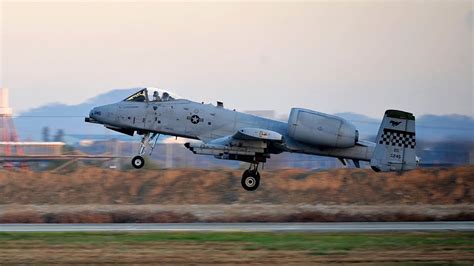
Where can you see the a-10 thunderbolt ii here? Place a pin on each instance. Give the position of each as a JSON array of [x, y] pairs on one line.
[[232, 135]]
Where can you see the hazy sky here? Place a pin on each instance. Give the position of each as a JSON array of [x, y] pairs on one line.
[[359, 56]]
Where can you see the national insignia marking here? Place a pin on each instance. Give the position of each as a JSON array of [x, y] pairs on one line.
[[195, 119]]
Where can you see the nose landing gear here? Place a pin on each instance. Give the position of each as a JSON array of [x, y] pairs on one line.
[[251, 178], [138, 161]]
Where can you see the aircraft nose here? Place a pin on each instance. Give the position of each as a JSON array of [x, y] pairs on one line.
[[98, 114], [106, 114]]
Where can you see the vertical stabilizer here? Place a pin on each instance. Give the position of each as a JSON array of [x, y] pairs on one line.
[[395, 145]]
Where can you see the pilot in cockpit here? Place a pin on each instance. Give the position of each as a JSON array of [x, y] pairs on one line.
[[156, 97], [166, 96]]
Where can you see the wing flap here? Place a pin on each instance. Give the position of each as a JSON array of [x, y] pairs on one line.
[[247, 144]]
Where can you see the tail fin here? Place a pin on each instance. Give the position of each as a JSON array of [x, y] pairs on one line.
[[395, 145]]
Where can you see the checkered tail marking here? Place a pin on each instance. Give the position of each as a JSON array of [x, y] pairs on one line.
[[398, 138]]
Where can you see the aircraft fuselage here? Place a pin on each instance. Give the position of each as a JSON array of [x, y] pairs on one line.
[[206, 122], [231, 135]]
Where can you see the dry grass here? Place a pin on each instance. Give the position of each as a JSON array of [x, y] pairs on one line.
[[282, 196], [229, 214], [193, 186], [97, 217]]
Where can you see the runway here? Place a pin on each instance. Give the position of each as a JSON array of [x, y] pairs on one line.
[[244, 227]]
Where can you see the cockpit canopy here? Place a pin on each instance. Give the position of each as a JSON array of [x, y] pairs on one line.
[[152, 95]]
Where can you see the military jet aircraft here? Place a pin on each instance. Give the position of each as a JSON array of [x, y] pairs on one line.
[[232, 135]]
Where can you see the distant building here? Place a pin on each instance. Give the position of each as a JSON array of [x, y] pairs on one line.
[[9, 140], [31, 148]]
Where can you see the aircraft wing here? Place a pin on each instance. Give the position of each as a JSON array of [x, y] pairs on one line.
[[257, 134], [246, 144], [249, 134]]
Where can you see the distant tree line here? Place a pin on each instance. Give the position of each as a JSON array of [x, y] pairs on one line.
[[58, 137]]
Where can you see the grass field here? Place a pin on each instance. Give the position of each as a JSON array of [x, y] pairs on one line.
[[238, 248]]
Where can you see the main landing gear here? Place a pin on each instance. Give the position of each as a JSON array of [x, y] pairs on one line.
[[147, 142], [251, 178]]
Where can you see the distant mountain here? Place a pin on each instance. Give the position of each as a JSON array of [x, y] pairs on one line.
[[70, 118], [456, 128], [428, 127]]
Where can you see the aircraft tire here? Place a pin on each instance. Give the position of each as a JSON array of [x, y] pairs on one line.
[[250, 180], [138, 162]]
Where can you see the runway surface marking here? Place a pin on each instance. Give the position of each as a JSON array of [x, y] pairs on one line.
[[244, 227]]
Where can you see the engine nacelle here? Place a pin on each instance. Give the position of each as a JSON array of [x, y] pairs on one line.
[[320, 129]]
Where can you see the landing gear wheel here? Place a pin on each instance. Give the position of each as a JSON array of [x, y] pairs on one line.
[[138, 162], [250, 180]]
